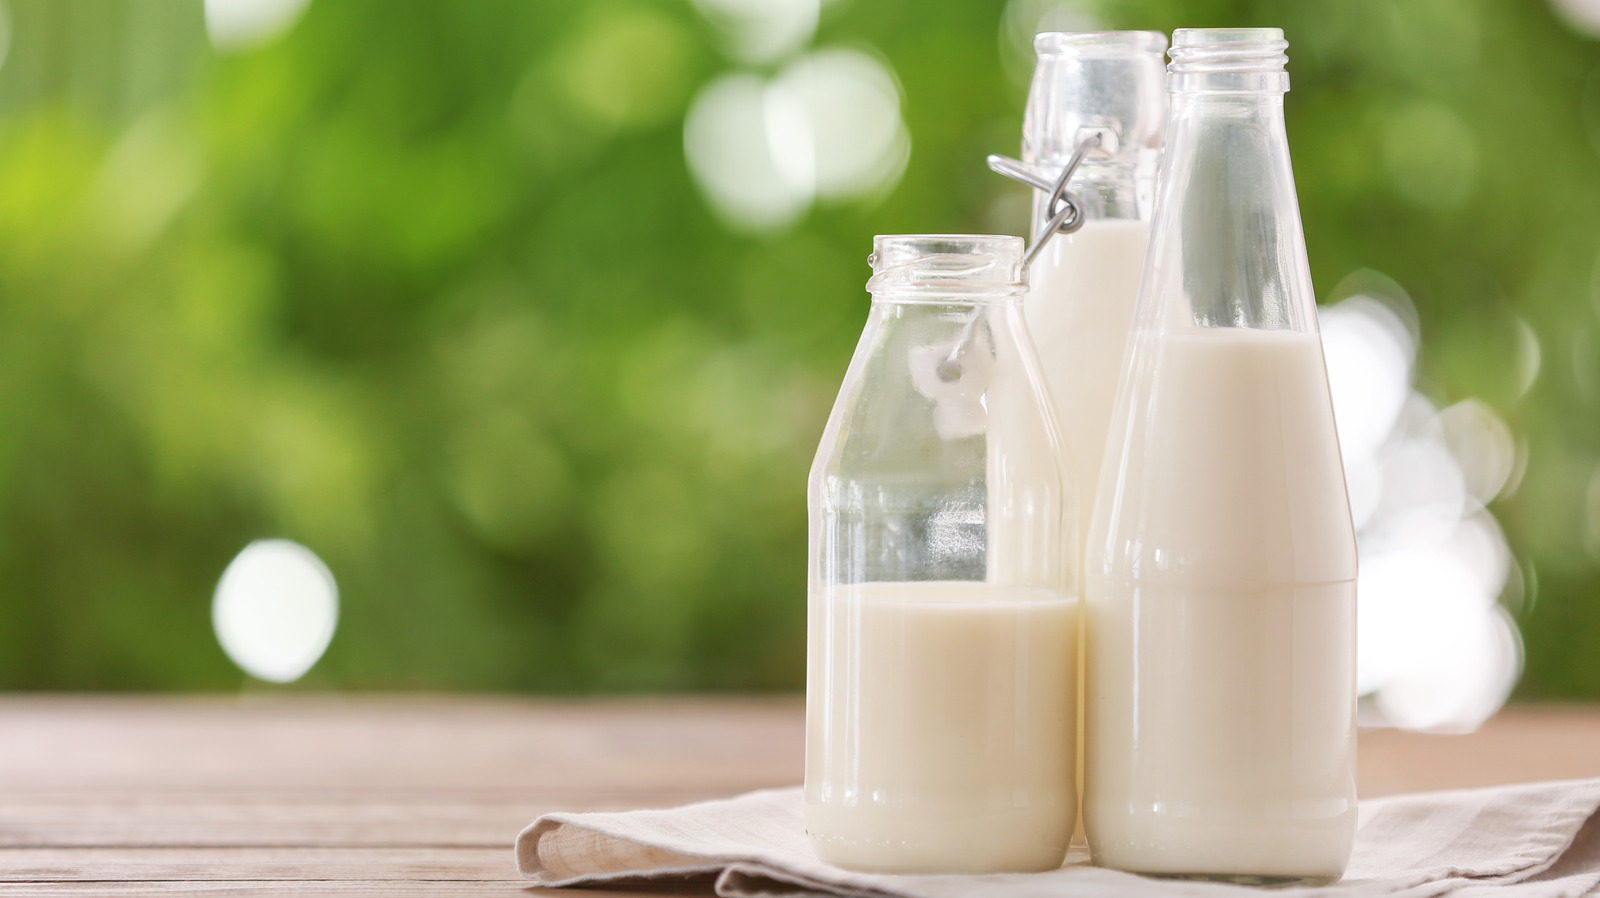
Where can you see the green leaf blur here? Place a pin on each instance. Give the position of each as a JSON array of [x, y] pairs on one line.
[[427, 286]]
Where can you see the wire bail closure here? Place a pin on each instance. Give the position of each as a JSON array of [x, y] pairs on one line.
[[1069, 217]]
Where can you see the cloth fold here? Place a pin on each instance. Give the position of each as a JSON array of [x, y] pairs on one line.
[[1536, 840]]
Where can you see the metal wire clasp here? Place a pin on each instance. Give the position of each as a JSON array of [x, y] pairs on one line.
[[1069, 217]]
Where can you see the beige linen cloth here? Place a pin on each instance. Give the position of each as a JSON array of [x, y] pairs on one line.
[[1539, 840]]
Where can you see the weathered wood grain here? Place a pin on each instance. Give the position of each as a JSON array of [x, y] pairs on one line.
[[425, 745], [153, 819], [422, 796], [281, 887], [244, 864], [1521, 744]]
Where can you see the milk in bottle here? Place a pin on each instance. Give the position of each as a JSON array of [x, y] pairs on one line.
[[933, 685], [1221, 563], [1082, 287], [940, 680]]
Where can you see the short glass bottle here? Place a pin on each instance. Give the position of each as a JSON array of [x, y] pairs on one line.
[[940, 689], [1220, 575]]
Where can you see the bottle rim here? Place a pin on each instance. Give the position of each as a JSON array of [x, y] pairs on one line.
[[967, 265], [1211, 51], [1098, 44]]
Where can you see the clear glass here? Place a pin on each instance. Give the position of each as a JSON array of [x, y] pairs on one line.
[[940, 689], [1106, 83], [1083, 286], [1221, 562]]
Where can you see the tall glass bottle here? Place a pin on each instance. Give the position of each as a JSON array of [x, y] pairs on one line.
[[940, 684], [1082, 287], [1220, 575]]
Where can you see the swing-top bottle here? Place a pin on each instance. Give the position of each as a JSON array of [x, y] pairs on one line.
[[1108, 86]]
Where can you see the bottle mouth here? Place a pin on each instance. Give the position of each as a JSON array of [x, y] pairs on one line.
[[1096, 83], [1099, 44], [1226, 58], [966, 265]]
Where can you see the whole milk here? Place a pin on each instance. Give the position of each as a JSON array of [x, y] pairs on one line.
[[1221, 619], [945, 713], [1079, 305]]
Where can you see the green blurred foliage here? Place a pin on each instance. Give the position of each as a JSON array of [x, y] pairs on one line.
[[427, 287]]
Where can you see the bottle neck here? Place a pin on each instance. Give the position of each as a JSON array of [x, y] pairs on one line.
[[1246, 61], [898, 302], [945, 268], [1228, 217], [1226, 88], [1097, 84], [1224, 109], [1221, 125], [1114, 189]]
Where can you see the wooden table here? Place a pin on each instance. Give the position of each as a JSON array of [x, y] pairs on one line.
[[423, 795]]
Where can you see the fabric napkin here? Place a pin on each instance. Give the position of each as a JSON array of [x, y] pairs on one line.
[[1538, 840]]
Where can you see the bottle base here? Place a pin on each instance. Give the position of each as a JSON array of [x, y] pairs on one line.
[[905, 859], [922, 840], [1247, 847]]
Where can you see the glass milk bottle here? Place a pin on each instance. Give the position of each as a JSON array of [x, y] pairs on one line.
[[940, 684], [1082, 287], [1220, 575]]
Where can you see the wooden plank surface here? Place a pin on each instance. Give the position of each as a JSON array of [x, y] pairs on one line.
[[423, 795], [152, 864]]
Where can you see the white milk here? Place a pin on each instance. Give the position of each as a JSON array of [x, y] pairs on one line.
[[1079, 305], [945, 713], [1220, 695]]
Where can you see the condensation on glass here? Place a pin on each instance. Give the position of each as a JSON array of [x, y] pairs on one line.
[[1221, 561], [943, 615]]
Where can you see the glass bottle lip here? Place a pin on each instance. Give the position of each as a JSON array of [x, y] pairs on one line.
[[1099, 44], [1231, 60], [968, 266], [1225, 37]]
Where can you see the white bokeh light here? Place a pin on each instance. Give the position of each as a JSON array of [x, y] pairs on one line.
[[1415, 605], [1023, 19], [1436, 651], [5, 31], [827, 127], [761, 31], [1369, 352], [1481, 444], [1467, 677], [1481, 547], [834, 119], [1423, 497], [1582, 15], [726, 141], [275, 610], [1530, 356], [1592, 518], [239, 24]]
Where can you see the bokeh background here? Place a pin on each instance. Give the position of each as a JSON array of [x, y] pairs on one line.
[[524, 317]]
